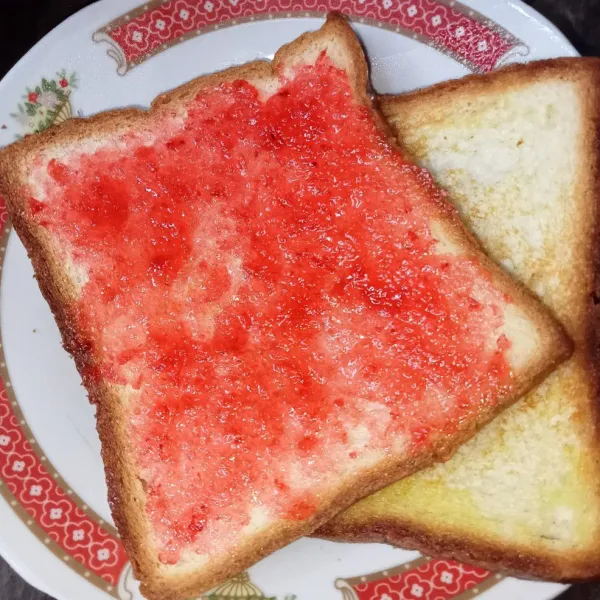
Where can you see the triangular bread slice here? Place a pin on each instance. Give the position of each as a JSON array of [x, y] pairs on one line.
[[518, 152], [275, 313]]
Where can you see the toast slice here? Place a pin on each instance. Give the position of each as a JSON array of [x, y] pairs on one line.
[[517, 151], [274, 311]]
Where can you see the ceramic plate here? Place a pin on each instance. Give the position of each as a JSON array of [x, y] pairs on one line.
[[56, 528]]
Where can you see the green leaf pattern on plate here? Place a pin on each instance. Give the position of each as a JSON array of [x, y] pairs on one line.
[[47, 104]]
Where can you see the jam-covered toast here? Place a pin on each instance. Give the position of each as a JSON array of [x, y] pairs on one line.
[[517, 151], [273, 310]]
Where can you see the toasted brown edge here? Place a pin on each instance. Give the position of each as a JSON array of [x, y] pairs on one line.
[[125, 489], [519, 561]]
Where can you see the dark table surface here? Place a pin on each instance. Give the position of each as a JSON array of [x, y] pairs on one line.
[[24, 22]]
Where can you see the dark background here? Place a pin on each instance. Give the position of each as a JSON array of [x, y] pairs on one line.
[[24, 22]]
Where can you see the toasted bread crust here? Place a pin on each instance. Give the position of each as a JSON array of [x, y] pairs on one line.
[[522, 563], [126, 494], [473, 547]]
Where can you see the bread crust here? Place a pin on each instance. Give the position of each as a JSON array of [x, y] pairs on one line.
[[126, 494], [472, 547]]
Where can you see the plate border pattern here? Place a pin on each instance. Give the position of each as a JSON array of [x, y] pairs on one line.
[[421, 579], [448, 26]]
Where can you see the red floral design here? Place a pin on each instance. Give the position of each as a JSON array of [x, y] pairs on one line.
[[104, 555], [433, 580], [415, 587], [455, 30], [160, 25], [137, 37], [35, 491], [32, 97], [7, 441], [78, 535], [55, 515], [184, 15], [18, 466], [63, 83], [448, 575]]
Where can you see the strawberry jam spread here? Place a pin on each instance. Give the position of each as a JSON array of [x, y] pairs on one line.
[[261, 275]]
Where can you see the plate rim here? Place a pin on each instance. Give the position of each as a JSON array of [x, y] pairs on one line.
[[107, 6]]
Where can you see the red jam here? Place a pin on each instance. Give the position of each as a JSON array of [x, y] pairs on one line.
[[262, 275]]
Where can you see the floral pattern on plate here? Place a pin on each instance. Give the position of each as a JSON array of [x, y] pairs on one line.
[[47, 104]]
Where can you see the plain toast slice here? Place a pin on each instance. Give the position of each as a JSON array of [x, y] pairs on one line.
[[518, 152], [274, 311]]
